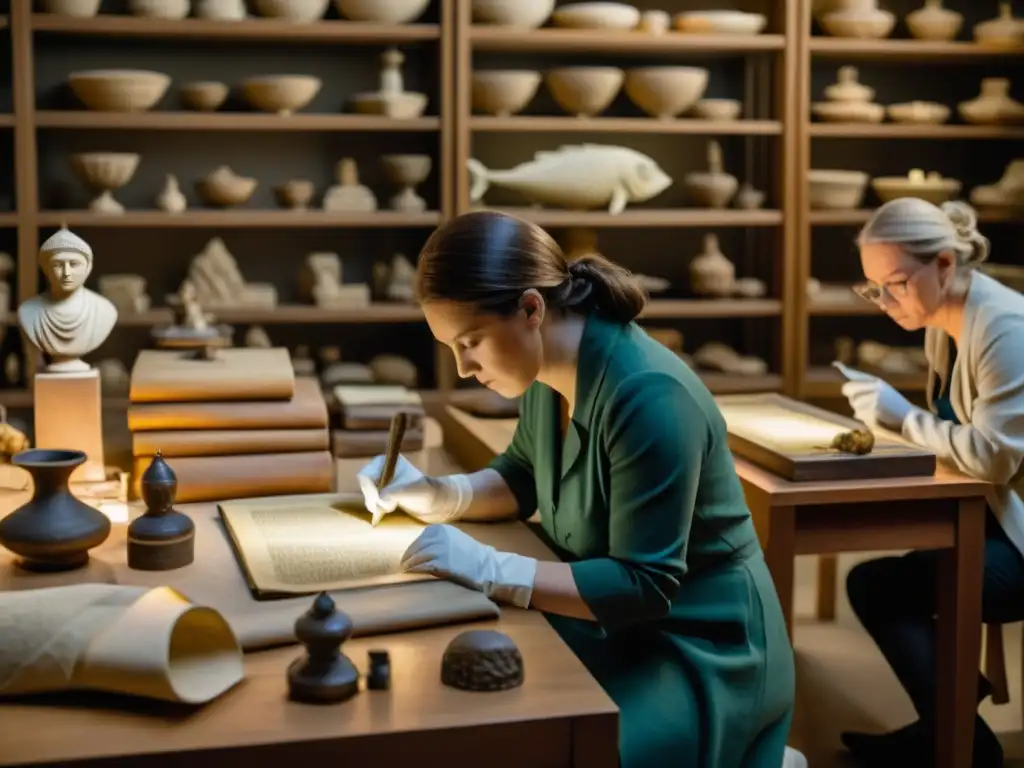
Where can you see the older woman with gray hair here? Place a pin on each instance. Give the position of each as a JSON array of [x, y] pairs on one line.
[[919, 261]]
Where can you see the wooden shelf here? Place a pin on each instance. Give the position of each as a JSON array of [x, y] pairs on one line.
[[288, 314], [494, 38], [8, 219], [666, 309], [857, 216], [110, 25], [730, 384], [640, 217], [558, 124], [228, 121], [239, 218], [836, 47], [827, 382], [903, 131], [6, 121]]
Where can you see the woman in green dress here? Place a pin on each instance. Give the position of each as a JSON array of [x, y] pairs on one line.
[[662, 590]]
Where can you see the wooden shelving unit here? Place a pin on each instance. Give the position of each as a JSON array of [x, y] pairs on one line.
[[898, 69]]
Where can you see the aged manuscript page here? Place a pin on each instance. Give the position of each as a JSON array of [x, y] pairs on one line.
[[291, 545]]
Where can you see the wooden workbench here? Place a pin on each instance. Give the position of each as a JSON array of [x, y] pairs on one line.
[[560, 716], [946, 511]]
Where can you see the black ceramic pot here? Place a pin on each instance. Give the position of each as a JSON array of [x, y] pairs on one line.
[[54, 531]]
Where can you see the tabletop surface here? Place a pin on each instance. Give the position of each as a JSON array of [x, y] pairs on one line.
[[257, 712]]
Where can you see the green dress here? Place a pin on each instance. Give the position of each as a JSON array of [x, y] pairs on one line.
[[642, 498]]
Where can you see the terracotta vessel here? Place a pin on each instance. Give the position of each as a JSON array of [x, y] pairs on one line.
[[53, 531]]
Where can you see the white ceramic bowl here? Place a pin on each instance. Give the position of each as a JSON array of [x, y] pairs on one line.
[[299, 11], [381, 11], [584, 91], [665, 92], [836, 190], [119, 90], [596, 15], [283, 94], [524, 14], [504, 92]]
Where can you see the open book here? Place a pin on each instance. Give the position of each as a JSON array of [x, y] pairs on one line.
[[296, 545]]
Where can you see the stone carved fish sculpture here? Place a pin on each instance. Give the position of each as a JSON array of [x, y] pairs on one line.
[[578, 176]]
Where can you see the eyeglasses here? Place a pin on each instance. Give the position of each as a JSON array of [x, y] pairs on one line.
[[878, 294]]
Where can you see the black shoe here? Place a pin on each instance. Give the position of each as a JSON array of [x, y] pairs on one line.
[[914, 744], [874, 747]]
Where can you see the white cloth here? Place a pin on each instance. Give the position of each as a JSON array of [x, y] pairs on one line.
[[874, 401], [428, 499], [447, 552], [793, 759]]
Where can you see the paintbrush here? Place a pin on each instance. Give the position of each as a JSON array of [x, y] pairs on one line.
[[395, 437]]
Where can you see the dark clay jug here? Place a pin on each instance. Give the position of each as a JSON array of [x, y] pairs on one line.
[[54, 531]]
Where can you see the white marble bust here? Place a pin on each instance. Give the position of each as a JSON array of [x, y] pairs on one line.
[[68, 321]]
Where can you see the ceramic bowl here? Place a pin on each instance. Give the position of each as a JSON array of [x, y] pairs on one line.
[[585, 91], [504, 92], [718, 109], [160, 9], [836, 190], [597, 15], [283, 94], [933, 188], [720, 22], [119, 90], [524, 14], [665, 92], [848, 112], [380, 11], [406, 170], [224, 188], [873, 25], [918, 113], [299, 11], [399, 106], [295, 195], [80, 9], [105, 170], [204, 96]]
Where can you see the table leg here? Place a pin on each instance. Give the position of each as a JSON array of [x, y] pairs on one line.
[[779, 555], [828, 575], [959, 636]]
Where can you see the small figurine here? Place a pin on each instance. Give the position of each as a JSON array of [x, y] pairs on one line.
[[163, 538], [193, 316], [324, 675], [482, 660], [379, 676], [858, 441]]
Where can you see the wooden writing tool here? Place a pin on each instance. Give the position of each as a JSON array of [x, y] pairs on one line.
[[395, 437]]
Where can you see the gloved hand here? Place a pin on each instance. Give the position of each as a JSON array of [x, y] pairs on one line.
[[428, 499], [447, 552], [874, 401]]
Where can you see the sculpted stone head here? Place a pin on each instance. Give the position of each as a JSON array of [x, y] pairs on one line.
[[66, 260]]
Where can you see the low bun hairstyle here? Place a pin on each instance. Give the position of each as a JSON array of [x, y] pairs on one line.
[[489, 259], [923, 230]]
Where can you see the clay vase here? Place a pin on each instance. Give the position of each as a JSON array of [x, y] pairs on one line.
[[54, 531]]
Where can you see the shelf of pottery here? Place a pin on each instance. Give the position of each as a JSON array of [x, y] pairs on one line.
[[574, 127], [966, 98]]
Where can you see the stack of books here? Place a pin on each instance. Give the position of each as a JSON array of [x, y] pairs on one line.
[[236, 426], [365, 417]]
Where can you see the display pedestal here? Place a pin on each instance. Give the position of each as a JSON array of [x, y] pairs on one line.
[[69, 415]]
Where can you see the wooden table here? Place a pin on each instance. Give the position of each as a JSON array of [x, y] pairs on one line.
[[559, 717], [945, 512]]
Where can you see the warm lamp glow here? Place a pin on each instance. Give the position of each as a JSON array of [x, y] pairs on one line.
[[780, 427]]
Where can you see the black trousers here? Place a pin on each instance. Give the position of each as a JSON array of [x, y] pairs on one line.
[[895, 599]]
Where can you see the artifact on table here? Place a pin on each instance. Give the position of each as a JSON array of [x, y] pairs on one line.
[[162, 538], [794, 440], [503, 92], [68, 321], [171, 199], [934, 22], [221, 10], [857, 441], [322, 282], [298, 11], [524, 14], [482, 660], [160, 9], [654, 22], [378, 678], [748, 198], [391, 100], [931, 187], [665, 92], [712, 188], [835, 190], [715, 356], [584, 91], [126, 640], [348, 195], [105, 172], [53, 531], [224, 188], [119, 90], [848, 100], [1008, 192], [993, 105], [258, 338], [219, 284], [864, 21], [577, 176], [718, 109], [720, 22], [303, 362], [407, 172], [79, 9], [295, 195], [281, 94], [113, 376], [393, 369], [711, 273], [919, 112], [325, 675], [1004, 31], [596, 15], [205, 95], [390, 12]]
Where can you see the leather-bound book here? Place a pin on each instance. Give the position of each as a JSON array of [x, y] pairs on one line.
[[228, 442]]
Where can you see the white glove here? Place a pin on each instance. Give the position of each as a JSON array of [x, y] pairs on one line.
[[874, 402], [428, 499], [447, 552]]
